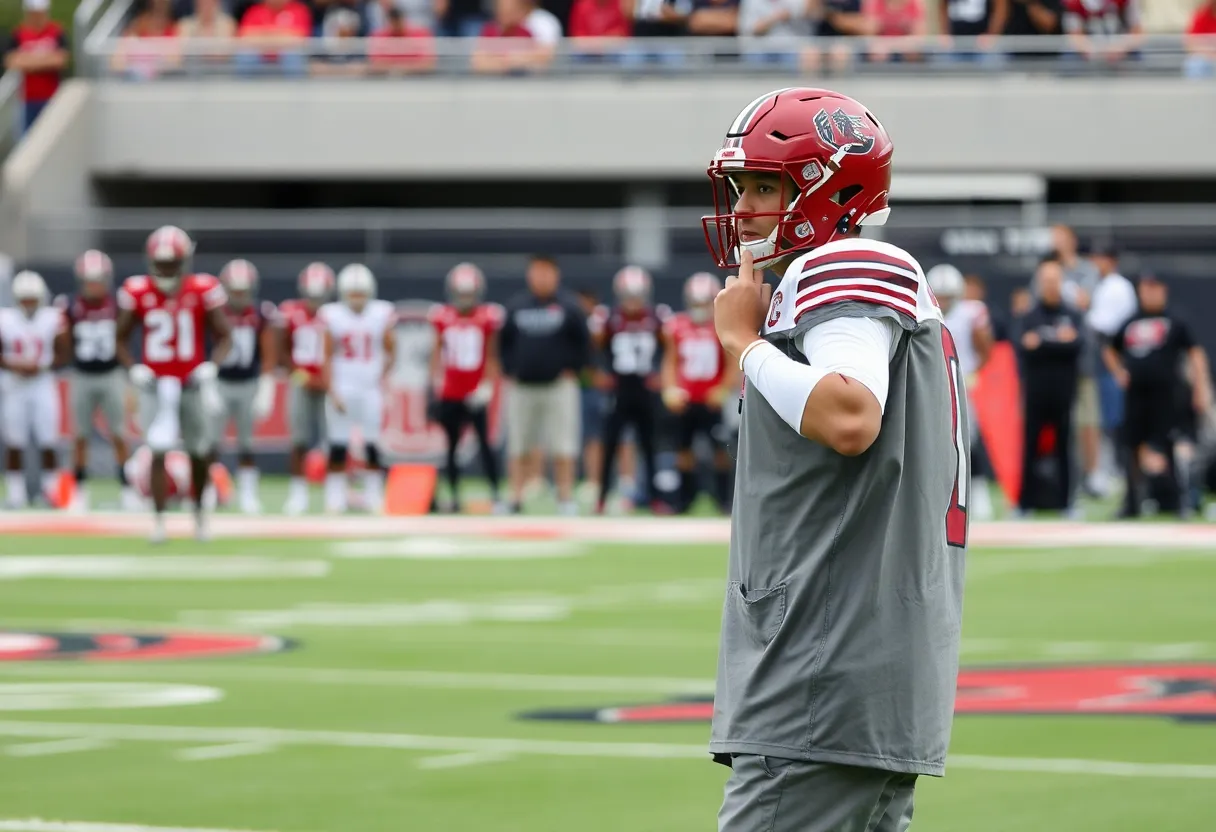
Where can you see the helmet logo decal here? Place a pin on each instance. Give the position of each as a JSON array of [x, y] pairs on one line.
[[841, 130]]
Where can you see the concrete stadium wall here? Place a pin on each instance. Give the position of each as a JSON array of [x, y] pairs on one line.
[[620, 127]]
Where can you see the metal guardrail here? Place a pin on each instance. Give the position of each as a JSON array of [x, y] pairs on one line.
[[149, 58], [12, 113]]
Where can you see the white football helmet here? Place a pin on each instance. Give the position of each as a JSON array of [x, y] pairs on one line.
[[631, 285], [946, 282], [30, 292], [699, 292], [466, 284], [169, 250], [356, 286], [240, 279]]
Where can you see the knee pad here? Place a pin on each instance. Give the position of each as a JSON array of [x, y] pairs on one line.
[[337, 456], [372, 452]]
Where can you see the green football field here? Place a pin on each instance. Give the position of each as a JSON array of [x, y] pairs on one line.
[[412, 664]]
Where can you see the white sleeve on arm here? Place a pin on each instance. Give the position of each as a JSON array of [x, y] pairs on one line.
[[859, 348]]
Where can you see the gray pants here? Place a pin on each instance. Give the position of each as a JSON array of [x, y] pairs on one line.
[[306, 417], [766, 794], [238, 408], [198, 433], [91, 392]]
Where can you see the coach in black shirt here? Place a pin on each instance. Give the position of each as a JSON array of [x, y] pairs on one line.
[[1050, 344], [1155, 359], [545, 345]]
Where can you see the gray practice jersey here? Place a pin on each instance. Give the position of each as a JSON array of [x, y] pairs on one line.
[[840, 630]]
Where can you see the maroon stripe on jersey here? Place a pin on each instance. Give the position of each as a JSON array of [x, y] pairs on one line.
[[808, 298], [902, 307], [860, 271], [860, 256]]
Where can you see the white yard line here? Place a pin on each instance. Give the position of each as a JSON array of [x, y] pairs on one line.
[[468, 758], [560, 748], [222, 752], [44, 749], [38, 825]]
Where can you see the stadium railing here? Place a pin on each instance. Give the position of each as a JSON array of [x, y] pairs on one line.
[[149, 58]]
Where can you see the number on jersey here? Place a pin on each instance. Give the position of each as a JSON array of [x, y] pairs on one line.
[[956, 513], [94, 340], [699, 358], [357, 346], [244, 345], [464, 347], [632, 353], [306, 344], [169, 336]]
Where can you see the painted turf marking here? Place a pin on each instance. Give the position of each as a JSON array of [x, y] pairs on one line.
[[467, 758], [554, 748], [39, 825], [223, 752], [45, 749], [455, 548], [162, 568]]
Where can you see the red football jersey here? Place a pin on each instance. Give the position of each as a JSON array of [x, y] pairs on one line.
[[465, 337], [1101, 17], [175, 326], [305, 336], [700, 359]]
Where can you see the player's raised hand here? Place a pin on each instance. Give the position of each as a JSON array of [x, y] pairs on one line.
[[740, 307]]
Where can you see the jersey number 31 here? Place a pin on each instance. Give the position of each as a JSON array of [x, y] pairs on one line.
[[956, 513]]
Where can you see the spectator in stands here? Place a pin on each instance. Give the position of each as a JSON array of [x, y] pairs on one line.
[[714, 18], [779, 23], [598, 26], [658, 18], [37, 48], [277, 29], [896, 19], [461, 18], [545, 344], [546, 29], [1050, 344], [1167, 17], [1201, 62], [1103, 30], [209, 20], [148, 46], [336, 19], [401, 48], [419, 15], [1034, 17], [506, 45], [843, 19], [980, 19], [344, 53]]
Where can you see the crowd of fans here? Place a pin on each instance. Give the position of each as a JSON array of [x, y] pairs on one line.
[[518, 36]]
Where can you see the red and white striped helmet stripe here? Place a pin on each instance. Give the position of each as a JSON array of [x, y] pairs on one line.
[[743, 121], [239, 276], [316, 281], [465, 279], [631, 282], [701, 289], [169, 244], [94, 267]]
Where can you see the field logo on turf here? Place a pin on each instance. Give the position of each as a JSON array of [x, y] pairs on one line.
[[1180, 691], [108, 647]]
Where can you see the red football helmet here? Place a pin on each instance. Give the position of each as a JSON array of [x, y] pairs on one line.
[[94, 273], [169, 250], [835, 153], [699, 293], [465, 285], [316, 282], [632, 285], [240, 278]]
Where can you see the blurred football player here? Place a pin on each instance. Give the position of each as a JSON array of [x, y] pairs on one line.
[[465, 369], [838, 662], [971, 327], [179, 477], [98, 384], [33, 341], [629, 335], [360, 343], [697, 379], [302, 349], [246, 376], [179, 403]]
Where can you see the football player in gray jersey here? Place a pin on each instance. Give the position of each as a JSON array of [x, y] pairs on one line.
[[838, 660]]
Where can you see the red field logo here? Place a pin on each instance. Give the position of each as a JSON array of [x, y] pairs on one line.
[[1179, 691], [125, 647]]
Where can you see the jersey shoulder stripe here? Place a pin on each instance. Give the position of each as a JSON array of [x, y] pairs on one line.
[[859, 272]]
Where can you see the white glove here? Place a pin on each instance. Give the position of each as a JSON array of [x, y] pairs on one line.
[[263, 399], [141, 376], [480, 397], [205, 372]]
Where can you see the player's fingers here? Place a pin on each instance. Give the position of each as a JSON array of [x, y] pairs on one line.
[[730, 281], [746, 266]]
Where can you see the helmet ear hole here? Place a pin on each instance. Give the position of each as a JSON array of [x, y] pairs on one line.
[[845, 194]]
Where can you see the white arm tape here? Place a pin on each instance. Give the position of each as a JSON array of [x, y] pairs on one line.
[[785, 384]]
